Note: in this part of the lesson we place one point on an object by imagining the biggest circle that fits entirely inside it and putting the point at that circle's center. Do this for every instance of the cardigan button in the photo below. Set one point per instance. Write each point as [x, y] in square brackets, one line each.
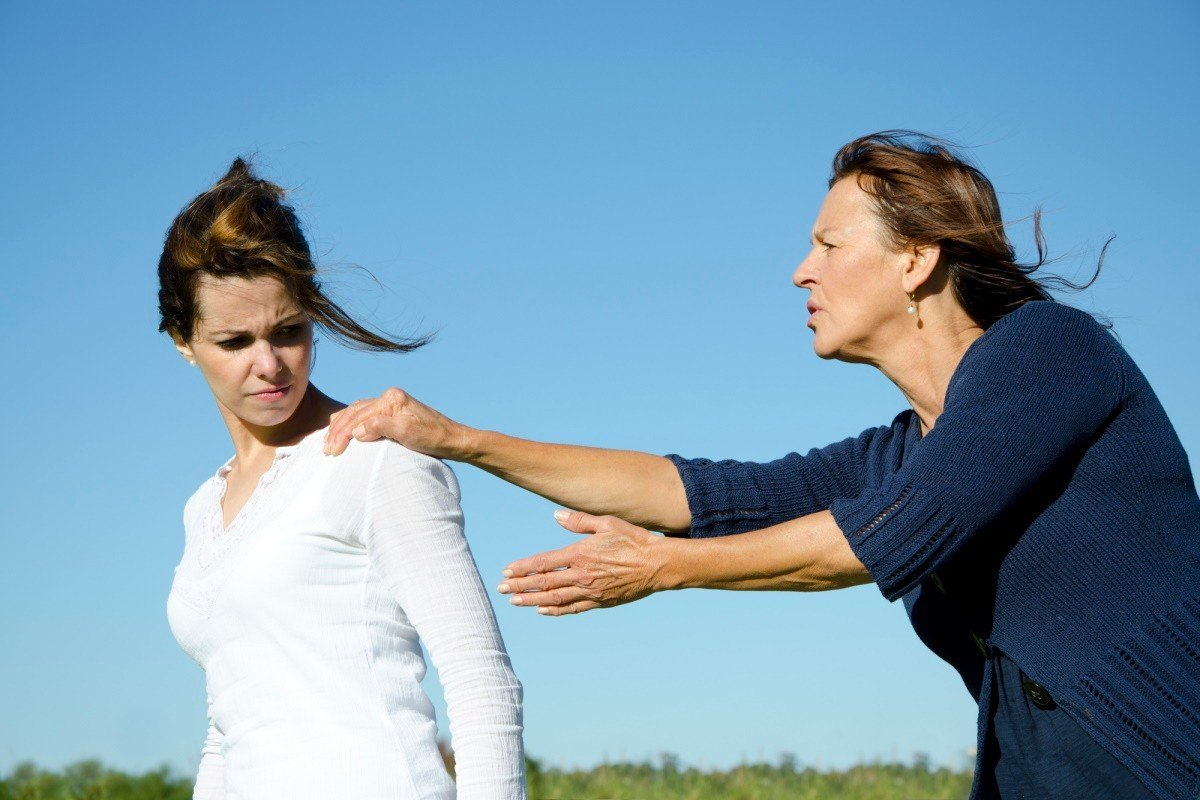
[1037, 694]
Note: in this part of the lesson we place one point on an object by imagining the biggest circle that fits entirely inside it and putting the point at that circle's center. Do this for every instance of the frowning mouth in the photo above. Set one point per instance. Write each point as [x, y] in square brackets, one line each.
[272, 394]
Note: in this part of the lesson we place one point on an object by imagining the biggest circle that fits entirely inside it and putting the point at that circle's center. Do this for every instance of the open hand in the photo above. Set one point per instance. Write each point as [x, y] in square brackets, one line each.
[617, 563]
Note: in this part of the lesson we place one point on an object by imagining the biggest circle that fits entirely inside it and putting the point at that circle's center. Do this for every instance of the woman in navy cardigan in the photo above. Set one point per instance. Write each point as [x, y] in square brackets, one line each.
[1034, 508]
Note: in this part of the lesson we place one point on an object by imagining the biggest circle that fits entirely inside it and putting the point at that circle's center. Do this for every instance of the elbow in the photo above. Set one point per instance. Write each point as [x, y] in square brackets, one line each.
[676, 514]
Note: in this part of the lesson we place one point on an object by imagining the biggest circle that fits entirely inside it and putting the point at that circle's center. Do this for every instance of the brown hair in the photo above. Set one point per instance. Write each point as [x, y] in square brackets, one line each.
[241, 227]
[926, 194]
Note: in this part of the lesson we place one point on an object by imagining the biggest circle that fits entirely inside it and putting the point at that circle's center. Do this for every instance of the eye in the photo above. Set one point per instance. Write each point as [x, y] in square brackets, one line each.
[236, 343]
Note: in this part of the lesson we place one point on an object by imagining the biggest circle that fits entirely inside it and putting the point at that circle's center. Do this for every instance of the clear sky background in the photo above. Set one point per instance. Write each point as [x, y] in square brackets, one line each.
[599, 207]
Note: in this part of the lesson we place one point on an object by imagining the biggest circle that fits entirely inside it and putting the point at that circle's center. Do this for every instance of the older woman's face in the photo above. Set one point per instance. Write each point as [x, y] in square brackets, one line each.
[254, 346]
[857, 301]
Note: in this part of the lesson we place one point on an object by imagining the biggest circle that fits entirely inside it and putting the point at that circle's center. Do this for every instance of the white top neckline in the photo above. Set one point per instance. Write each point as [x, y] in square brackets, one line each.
[282, 451]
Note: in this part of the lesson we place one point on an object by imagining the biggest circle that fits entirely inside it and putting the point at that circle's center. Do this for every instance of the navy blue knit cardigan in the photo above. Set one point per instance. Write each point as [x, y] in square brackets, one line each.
[1050, 513]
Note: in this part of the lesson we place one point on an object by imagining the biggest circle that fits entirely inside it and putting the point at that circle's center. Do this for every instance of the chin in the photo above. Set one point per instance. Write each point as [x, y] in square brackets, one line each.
[266, 418]
[824, 349]
[269, 416]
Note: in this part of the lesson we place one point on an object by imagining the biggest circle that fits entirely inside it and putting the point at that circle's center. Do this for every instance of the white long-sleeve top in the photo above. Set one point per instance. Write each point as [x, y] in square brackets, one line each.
[306, 616]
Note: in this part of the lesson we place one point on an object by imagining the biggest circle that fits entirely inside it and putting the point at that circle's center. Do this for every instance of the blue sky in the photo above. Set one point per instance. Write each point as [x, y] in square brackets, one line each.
[598, 206]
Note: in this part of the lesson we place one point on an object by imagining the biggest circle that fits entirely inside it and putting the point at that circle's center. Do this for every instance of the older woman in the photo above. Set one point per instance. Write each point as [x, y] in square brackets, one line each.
[1034, 508]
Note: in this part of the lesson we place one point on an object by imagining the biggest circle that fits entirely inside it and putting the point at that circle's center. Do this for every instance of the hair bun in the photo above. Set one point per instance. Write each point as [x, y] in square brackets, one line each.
[239, 172]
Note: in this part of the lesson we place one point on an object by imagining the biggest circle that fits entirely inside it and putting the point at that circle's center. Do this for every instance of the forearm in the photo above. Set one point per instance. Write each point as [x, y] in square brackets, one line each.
[483, 701]
[640, 488]
[808, 554]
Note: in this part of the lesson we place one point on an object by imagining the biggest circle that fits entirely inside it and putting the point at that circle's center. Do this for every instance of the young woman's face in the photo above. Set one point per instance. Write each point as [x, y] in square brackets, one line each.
[857, 299]
[254, 346]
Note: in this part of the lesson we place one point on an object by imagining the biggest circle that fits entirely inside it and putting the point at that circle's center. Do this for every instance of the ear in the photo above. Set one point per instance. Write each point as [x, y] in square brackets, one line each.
[919, 265]
[184, 349]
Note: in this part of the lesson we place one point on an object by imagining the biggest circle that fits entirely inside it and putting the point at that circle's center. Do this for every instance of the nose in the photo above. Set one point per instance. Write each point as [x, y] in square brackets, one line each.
[805, 275]
[267, 362]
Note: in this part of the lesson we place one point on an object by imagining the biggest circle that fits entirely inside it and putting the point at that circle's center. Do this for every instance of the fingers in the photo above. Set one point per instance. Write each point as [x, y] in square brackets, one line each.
[342, 423]
[579, 522]
[371, 430]
[544, 581]
[570, 608]
[345, 424]
[555, 598]
[543, 562]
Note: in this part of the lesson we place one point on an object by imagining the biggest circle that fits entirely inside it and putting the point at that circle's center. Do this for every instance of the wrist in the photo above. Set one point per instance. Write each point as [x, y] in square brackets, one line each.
[470, 446]
[671, 567]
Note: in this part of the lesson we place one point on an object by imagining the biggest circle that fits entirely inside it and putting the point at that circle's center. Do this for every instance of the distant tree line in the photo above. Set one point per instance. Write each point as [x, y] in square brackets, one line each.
[665, 780]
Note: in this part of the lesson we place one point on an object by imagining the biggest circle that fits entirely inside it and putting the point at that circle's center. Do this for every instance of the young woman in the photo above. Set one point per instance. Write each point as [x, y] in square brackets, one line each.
[307, 584]
[1033, 508]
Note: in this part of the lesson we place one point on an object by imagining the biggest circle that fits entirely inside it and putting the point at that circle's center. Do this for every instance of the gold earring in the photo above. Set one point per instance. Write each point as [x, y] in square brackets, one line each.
[912, 302]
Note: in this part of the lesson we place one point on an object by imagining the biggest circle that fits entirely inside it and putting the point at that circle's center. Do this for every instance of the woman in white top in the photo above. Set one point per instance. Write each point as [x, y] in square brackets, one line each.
[308, 583]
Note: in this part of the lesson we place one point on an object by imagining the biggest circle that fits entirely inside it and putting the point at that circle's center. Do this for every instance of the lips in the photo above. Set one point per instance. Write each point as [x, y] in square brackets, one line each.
[274, 393]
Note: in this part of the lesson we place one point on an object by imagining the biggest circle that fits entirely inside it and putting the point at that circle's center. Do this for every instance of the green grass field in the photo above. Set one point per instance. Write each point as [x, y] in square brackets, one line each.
[89, 780]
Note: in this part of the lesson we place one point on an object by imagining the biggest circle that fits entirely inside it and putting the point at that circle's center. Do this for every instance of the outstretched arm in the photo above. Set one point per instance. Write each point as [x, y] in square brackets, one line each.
[639, 487]
[619, 563]
[698, 497]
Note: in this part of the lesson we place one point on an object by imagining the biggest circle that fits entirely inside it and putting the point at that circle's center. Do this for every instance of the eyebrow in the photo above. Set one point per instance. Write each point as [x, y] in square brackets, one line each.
[293, 319]
[822, 234]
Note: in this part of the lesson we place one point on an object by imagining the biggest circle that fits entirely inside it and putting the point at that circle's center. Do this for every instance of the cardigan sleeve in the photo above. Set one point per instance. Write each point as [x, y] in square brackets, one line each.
[1027, 399]
[414, 537]
[728, 497]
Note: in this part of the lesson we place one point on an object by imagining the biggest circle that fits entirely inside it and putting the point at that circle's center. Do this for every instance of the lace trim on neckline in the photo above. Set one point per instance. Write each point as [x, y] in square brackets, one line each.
[211, 553]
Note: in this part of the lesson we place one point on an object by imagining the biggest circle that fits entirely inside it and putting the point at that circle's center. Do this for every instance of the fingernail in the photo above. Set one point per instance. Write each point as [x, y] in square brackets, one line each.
[508, 573]
[543, 610]
[516, 600]
[561, 515]
[502, 588]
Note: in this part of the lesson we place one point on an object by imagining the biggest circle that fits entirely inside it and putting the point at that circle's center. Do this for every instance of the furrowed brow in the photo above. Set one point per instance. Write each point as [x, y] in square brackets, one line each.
[294, 319]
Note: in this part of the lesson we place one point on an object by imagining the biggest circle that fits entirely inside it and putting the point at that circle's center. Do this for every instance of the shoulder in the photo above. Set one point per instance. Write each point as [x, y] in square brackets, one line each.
[1042, 349]
[1047, 324]
[1042, 336]
[192, 507]
[392, 463]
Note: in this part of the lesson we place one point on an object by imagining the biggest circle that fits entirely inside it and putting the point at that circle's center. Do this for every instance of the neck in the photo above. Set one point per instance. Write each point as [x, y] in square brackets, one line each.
[253, 442]
[925, 354]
